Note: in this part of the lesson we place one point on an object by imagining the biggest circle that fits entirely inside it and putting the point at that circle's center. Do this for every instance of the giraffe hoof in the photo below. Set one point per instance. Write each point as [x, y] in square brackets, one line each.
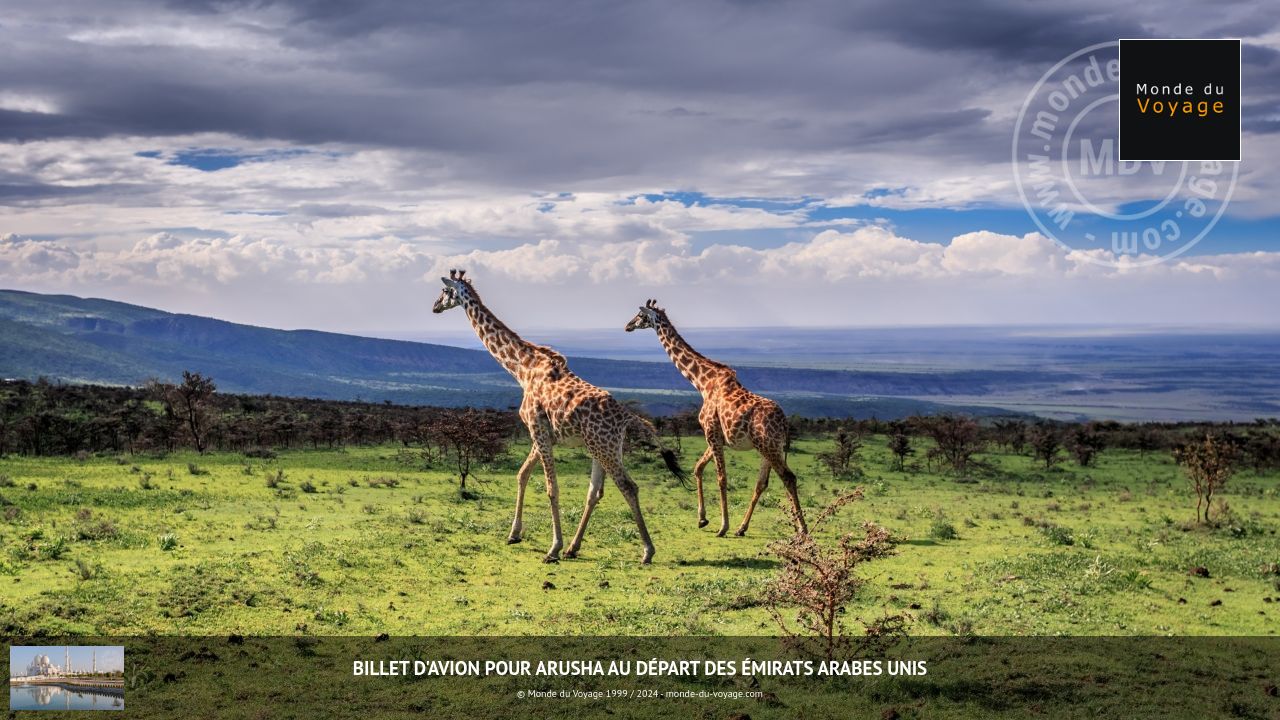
[740, 532]
[647, 557]
[703, 522]
[549, 559]
[513, 540]
[571, 553]
[722, 532]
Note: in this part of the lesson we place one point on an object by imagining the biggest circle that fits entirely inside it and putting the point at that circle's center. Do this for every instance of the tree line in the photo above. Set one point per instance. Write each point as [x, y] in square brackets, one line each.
[42, 418]
[46, 418]
[954, 442]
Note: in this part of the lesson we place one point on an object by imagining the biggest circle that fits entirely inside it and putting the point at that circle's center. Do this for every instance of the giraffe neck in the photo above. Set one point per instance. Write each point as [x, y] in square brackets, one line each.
[693, 365]
[509, 349]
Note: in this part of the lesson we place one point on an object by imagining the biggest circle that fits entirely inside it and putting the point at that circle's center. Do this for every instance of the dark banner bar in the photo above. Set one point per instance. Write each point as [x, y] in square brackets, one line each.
[699, 677]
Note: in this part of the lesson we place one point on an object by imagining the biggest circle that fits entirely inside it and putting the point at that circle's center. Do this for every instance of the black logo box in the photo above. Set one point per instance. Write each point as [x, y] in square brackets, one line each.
[1186, 65]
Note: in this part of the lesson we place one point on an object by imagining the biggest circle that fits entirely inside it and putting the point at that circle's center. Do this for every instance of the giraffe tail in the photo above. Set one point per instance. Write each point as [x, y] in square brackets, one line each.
[651, 440]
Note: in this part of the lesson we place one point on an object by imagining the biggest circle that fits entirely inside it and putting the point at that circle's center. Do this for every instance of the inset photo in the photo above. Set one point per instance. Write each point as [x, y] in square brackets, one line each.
[66, 677]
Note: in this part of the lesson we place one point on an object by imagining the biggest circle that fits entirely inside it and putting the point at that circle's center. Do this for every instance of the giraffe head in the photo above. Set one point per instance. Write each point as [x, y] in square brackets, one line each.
[456, 289]
[650, 316]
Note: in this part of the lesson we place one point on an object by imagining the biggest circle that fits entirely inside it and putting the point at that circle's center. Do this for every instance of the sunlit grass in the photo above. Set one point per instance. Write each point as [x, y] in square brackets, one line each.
[356, 542]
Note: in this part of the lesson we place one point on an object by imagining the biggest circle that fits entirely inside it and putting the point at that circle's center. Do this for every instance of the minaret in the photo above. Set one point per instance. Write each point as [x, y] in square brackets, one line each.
[95, 662]
[66, 660]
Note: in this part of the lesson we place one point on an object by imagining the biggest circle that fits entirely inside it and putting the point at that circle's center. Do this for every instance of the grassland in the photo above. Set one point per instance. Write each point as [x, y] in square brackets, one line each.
[359, 542]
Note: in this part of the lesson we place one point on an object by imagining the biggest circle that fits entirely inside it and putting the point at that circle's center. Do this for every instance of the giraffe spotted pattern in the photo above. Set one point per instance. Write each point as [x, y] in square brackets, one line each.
[731, 416]
[558, 405]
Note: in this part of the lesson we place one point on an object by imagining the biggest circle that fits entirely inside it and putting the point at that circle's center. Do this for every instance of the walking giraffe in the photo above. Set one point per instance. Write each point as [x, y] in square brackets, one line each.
[558, 404]
[730, 416]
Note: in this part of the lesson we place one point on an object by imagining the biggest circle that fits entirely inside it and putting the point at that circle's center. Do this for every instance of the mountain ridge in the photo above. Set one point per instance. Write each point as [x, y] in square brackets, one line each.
[97, 340]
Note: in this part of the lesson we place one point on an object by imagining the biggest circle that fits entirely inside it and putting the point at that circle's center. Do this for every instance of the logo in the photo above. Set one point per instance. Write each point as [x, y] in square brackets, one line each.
[1079, 192]
[1180, 100]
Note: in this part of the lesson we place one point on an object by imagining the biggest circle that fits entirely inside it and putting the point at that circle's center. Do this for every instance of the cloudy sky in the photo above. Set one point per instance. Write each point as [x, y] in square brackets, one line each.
[319, 164]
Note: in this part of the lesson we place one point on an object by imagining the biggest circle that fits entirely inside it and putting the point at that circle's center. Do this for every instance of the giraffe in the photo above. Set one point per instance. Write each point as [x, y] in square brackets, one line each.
[558, 404]
[730, 416]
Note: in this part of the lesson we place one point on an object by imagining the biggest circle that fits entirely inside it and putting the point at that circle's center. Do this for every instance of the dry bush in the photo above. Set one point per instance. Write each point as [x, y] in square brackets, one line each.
[818, 580]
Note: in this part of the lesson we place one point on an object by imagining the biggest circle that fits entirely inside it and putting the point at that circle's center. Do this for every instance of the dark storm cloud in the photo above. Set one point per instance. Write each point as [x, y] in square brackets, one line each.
[17, 125]
[916, 126]
[1008, 31]
[546, 95]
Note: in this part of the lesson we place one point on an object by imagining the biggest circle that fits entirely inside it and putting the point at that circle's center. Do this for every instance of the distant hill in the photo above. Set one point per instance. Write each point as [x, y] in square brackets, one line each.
[74, 339]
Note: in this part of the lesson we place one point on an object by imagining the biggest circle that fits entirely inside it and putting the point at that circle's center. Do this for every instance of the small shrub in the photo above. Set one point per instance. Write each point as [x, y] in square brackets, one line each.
[145, 483]
[417, 516]
[962, 627]
[307, 487]
[1057, 534]
[1132, 580]
[168, 541]
[263, 522]
[935, 615]
[6, 481]
[52, 550]
[334, 617]
[87, 571]
[195, 469]
[943, 530]
[87, 529]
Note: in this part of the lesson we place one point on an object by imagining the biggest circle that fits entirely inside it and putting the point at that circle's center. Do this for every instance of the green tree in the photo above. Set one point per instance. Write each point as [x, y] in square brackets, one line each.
[1209, 463]
[191, 401]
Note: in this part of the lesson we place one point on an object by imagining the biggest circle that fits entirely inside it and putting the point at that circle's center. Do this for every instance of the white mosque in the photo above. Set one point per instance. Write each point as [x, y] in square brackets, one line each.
[42, 666]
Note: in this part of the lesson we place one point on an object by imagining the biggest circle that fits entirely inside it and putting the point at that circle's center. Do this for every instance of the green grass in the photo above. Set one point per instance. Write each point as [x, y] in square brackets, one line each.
[355, 542]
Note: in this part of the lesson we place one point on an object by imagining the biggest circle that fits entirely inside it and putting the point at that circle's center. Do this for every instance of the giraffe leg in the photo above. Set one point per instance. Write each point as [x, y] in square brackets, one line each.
[594, 493]
[542, 441]
[697, 474]
[522, 481]
[761, 483]
[774, 459]
[631, 493]
[789, 481]
[722, 481]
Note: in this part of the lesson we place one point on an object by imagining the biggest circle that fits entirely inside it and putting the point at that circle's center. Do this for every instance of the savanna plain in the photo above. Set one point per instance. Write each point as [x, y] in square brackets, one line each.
[370, 540]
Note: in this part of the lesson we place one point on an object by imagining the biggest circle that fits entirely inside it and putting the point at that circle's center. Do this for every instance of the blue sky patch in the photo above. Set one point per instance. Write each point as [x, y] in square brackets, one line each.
[214, 159]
